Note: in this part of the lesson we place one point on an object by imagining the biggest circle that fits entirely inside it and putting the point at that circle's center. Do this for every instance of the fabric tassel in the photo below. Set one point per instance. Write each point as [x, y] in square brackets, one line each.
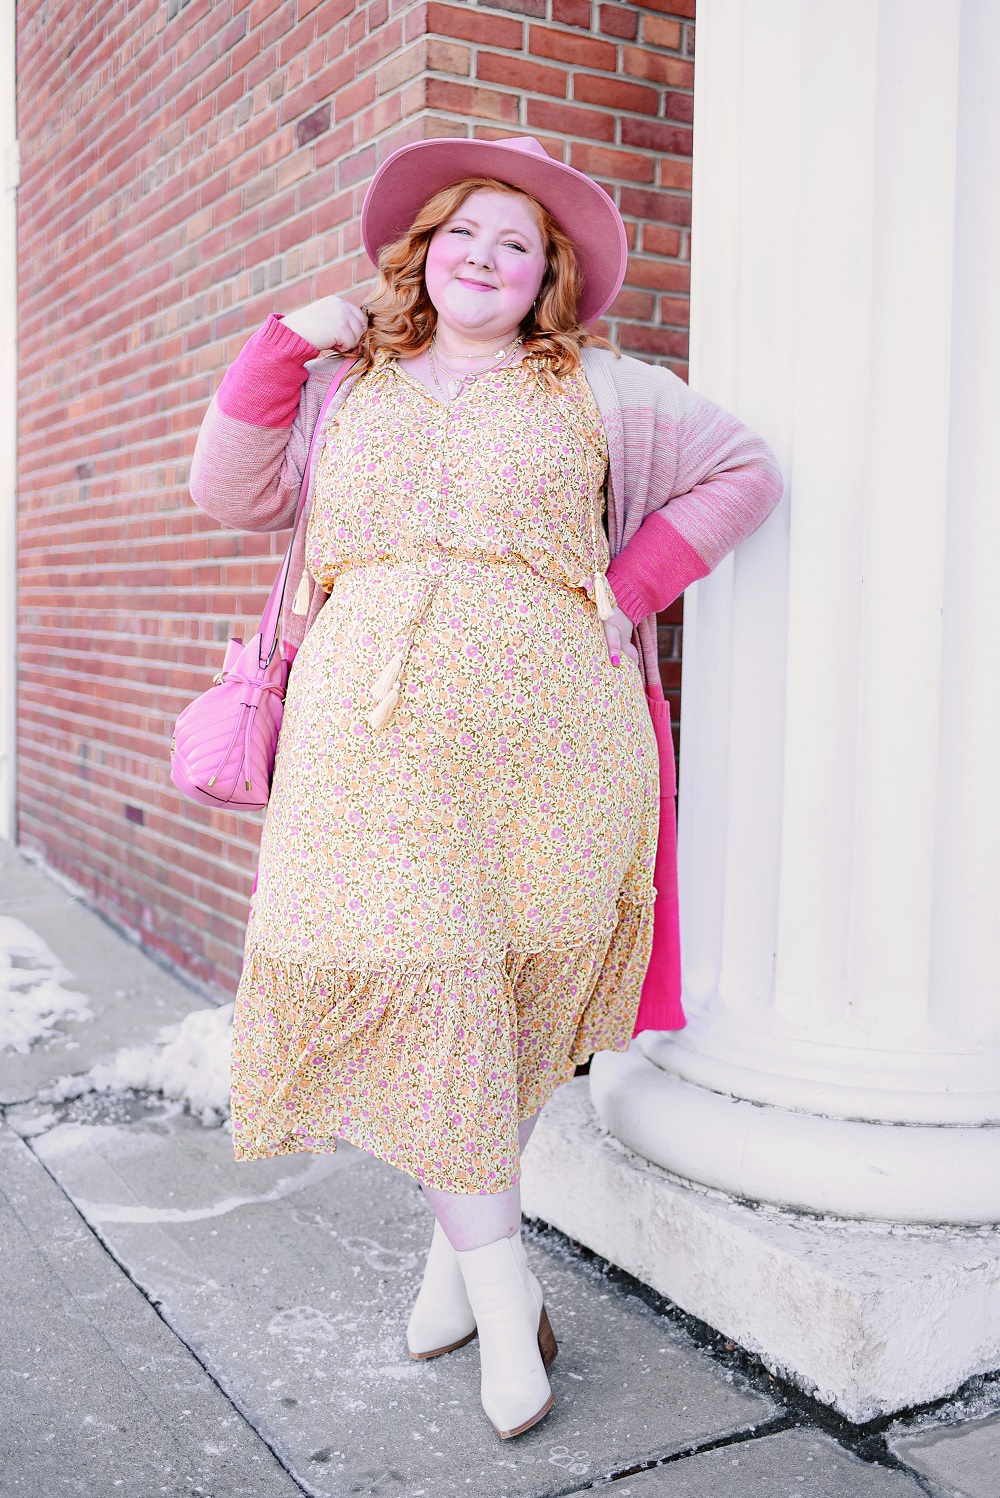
[603, 596]
[383, 712]
[386, 678]
[300, 604]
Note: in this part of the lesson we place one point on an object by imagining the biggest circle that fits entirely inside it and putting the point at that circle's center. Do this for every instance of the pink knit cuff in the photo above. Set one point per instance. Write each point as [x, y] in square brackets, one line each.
[654, 568]
[263, 384]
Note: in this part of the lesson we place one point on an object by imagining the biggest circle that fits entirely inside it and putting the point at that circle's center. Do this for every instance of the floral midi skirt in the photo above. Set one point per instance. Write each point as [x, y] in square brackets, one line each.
[454, 908]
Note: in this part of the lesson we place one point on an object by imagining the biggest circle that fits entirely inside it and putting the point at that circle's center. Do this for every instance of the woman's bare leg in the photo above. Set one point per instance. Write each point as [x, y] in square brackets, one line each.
[474, 1221]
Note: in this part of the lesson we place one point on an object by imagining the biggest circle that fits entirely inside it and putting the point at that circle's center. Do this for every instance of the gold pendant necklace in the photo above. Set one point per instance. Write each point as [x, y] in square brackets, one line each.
[502, 353]
[458, 382]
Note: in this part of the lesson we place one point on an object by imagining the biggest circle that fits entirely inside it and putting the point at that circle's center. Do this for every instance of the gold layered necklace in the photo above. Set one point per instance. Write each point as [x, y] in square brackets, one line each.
[454, 379]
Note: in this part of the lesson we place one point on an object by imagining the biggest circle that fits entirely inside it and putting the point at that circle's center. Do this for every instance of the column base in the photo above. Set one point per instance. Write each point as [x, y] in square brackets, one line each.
[869, 1318]
[919, 1173]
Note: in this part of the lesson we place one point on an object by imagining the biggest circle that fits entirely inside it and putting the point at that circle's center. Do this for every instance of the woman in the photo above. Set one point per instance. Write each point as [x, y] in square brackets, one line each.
[455, 892]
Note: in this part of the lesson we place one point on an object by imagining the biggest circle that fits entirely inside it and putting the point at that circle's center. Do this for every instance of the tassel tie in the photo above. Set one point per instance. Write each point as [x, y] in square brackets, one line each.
[384, 690]
[603, 597]
[385, 693]
[300, 603]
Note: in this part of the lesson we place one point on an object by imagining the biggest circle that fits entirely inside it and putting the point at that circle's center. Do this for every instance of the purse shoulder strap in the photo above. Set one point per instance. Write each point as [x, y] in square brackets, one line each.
[271, 616]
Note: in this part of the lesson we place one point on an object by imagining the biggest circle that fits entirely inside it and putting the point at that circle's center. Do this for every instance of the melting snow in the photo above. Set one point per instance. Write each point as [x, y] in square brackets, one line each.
[137, 1212]
[32, 997]
[188, 1062]
[303, 1323]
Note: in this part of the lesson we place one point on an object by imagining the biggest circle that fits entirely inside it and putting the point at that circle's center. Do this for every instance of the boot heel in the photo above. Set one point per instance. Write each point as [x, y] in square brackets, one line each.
[506, 1303]
[547, 1344]
[435, 1352]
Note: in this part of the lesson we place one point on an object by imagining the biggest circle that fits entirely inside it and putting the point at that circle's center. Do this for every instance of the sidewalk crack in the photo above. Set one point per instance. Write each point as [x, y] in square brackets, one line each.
[156, 1307]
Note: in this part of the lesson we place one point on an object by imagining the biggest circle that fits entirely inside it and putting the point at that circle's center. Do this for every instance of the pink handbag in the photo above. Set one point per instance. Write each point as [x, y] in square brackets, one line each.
[224, 742]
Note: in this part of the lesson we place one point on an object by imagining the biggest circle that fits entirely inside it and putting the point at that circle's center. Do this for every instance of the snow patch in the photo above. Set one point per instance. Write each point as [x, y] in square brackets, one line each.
[138, 1212]
[32, 998]
[384, 1260]
[188, 1062]
[302, 1324]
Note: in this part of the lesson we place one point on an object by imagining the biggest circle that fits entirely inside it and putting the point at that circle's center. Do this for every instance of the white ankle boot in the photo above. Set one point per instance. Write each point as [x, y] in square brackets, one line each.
[442, 1318]
[516, 1344]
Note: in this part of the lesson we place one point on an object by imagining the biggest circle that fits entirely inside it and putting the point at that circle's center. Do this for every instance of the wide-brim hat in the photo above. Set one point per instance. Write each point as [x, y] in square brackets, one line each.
[581, 208]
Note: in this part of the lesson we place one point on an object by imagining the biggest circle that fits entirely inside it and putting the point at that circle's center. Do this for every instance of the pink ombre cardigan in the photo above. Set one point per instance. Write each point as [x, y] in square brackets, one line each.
[686, 483]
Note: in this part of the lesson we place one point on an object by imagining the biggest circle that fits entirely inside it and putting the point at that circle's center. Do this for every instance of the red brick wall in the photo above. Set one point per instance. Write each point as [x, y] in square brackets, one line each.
[188, 167]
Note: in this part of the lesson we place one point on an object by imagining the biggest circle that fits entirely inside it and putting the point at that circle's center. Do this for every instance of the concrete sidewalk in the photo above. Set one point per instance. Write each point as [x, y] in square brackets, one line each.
[174, 1323]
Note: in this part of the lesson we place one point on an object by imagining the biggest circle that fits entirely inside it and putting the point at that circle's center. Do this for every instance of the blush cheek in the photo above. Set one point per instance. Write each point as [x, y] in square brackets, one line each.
[439, 267]
[522, 280]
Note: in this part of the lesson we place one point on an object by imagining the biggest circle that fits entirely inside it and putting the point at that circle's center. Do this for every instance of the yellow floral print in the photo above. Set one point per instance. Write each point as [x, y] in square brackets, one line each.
[453, 908]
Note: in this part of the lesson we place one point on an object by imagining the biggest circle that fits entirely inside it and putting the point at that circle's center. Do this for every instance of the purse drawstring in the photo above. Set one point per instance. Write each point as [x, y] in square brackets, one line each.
[246, 724]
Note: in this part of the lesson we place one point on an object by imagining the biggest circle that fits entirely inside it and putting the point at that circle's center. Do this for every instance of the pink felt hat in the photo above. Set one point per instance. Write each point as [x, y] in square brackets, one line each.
[582, 209]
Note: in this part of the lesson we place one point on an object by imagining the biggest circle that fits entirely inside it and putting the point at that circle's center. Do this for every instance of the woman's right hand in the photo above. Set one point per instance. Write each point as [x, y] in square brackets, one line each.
[330, 323]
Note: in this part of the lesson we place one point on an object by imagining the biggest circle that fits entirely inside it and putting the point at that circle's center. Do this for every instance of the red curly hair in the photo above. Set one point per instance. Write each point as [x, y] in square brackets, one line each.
[402, 317]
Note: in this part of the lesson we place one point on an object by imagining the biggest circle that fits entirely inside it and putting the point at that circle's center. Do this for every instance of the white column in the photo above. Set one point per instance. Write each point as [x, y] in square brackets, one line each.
[840, 772]
[8, 422]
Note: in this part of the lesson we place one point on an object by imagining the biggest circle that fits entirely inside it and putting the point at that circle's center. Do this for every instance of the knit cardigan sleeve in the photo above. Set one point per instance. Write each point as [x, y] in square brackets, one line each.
[252, 446]
[721, 481]
[710, 481]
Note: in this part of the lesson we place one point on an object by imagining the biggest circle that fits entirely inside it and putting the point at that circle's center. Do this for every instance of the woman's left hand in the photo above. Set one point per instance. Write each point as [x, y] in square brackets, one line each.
[618, 633]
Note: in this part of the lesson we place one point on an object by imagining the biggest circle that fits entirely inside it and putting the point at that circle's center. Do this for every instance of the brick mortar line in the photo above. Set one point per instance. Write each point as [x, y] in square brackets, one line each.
[205, 643]
[138, 542]
[220, 863]
[108, 189]
[213, 992]
[182, 833]
[92, 663]
[572, 70]
[45, 441]
[511, 90]
[112, 133]
[42, 441]
[140, 745]
[92, 576]
[231, 946]
[205, 892]
[117, 515]
[155, 794]
[36, 400]
[145, 749]
[40, 637]
[90, 385]
[130, 934]
[217, 290]
[190, 901]
[210, 648]
[97, 597]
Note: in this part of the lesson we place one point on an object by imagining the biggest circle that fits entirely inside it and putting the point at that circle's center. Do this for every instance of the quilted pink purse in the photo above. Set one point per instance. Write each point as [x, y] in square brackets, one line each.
[224, 742]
